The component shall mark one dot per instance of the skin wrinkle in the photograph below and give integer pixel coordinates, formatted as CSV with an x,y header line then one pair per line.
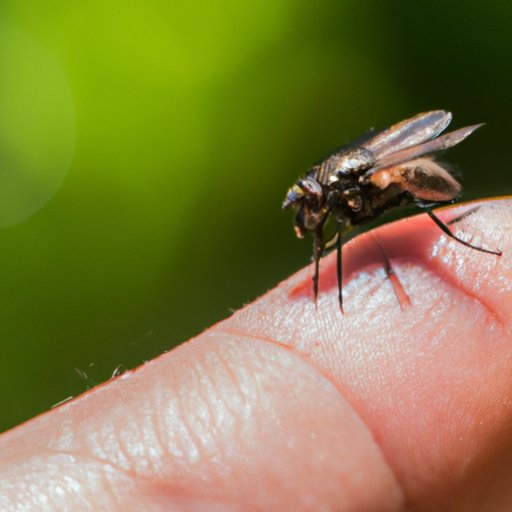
x,y
451,279
469,461
92,448
90,457
180,434
151,449
128,442
220,412
188,430
114,497
243,403
377,279
132,473
111,444
343,390
216,406
170,448
205,415
458,285
467,457
233,379
493,232
101,468
153,437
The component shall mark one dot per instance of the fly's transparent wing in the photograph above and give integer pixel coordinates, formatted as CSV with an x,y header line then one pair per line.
x,y
443,142
411,132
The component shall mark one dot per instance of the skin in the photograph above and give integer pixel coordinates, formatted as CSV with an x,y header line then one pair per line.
x,y
402,403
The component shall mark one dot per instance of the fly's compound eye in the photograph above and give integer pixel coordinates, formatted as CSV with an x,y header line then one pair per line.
x,y
294,195
306,190
312,189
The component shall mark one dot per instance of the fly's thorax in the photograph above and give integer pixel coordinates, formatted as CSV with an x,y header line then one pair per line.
x,y
347,162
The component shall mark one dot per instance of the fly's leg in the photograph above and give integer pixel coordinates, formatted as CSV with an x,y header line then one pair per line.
x,y
318,249
339,268
463,216
332,242
446,230
336,241
400,293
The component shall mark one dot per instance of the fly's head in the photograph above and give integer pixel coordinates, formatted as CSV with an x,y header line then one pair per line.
x,y
308,198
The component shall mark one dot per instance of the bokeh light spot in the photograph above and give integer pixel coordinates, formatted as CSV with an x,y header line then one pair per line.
x,y
37,126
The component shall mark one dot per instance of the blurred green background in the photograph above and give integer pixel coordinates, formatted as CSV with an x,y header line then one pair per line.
x,y
145,149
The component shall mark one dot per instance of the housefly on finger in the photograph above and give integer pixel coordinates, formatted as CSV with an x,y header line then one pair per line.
x,y
393,168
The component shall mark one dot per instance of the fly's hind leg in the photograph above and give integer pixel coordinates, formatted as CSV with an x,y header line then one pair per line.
x,y
446,230
463,216
401,295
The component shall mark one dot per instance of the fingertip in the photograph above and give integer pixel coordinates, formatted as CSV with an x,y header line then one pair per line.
x,y
431,381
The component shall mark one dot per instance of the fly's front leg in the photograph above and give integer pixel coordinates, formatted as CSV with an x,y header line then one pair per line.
x,y
318,249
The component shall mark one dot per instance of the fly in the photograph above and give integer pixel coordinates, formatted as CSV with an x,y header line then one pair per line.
x,y
391,169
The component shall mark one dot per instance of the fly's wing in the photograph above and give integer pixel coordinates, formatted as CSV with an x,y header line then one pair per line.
x,y
360,142
440,143
413,131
